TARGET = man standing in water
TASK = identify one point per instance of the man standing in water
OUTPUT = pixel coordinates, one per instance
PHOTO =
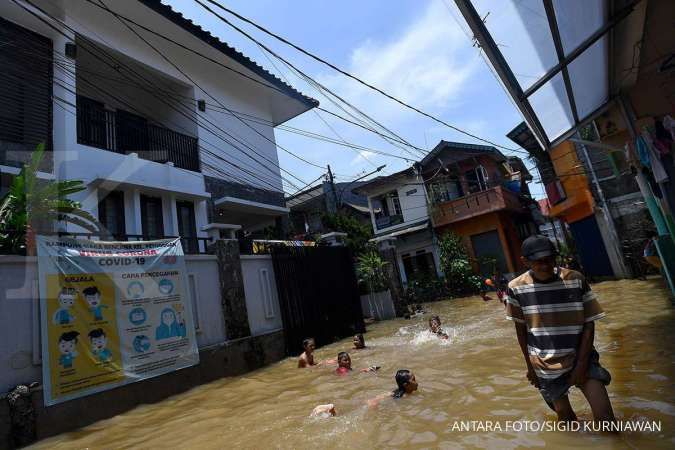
(554, 311)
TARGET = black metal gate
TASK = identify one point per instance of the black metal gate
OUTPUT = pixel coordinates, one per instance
(318, 294)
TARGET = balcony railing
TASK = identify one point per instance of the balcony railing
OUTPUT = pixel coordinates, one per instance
(472, 205)
(388, 221)
(123, 132)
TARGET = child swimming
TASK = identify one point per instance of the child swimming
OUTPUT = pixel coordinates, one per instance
(307, 357)
(359, 342)
(435, 327)
(406, 384)
(344, 362)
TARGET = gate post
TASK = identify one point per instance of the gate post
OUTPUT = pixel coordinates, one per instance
(233, 297)
(388, 253)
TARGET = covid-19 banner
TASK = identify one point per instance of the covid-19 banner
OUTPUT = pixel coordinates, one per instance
(111, 313)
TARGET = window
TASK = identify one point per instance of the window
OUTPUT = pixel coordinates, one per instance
(111, 214)
(187, 228)
(387, 209)
(444, 191)
(25, 93)
(91, 123)
(477, 179)
(152, 221)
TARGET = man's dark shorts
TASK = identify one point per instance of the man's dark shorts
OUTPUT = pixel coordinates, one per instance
(553, 389)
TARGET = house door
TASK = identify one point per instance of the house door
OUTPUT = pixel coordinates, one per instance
(489, 252)
(111, 214)
(591, 248)
(187, 228)
(152, 220)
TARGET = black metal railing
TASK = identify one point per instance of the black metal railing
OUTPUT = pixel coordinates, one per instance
(388, 221)
(123, 132)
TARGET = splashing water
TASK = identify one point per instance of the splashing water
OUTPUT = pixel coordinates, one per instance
(477, 374)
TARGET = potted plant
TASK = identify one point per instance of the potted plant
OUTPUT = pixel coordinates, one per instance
(371, 270)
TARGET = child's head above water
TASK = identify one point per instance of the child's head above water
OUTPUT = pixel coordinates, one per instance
(308, 345)
(344, 360)
(405, 382)
(359, 341)
(435, 323)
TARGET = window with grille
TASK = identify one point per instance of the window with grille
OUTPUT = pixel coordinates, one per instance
(25, 94)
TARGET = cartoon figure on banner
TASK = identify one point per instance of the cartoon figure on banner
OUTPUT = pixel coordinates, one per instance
(135, 289)
(99, 345)
(170, 326)
(67, 343)
(93, 297)
(63, 316)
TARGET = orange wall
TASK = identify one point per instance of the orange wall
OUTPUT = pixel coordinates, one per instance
(484, 223)
(579, 203)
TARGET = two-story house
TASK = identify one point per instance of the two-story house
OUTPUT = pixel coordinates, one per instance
(170, 129)
(481, 195)
(399, 212)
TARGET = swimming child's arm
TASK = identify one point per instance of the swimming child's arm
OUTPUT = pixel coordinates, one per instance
(373, 402)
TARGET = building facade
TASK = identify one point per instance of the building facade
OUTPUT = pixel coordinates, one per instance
(154, 117)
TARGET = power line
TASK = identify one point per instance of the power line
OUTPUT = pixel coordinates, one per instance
(334, 67)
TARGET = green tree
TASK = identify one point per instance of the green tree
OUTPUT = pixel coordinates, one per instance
(33, 205)
(358, 234)
(459, 275)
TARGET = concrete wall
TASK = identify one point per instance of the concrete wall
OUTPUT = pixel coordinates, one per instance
(380, 305)
(20, 351)
(262, 299)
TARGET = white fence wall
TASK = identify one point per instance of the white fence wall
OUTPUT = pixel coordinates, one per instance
(20, 353)
(204, 291)
(262, 299)
(19, 322)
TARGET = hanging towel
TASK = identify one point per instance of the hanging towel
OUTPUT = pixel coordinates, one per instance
(659, 172)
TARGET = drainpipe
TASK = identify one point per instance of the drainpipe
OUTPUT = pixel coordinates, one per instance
(611, 227)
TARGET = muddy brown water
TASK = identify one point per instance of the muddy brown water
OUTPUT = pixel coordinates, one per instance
(478, 374)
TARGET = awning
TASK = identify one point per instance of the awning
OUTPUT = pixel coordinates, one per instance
(412, 229)
(240, 205)
(551, 56)
(251, 215)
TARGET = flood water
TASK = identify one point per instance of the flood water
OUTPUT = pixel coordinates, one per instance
(478, 374)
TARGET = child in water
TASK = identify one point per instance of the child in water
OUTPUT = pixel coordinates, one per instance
(359, 342)
(344, 362)
(435, 327)
(405, 385)
(307, 357)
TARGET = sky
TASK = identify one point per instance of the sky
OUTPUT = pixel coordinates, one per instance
(419, 51)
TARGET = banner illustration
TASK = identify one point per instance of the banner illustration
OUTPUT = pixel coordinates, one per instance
(111, 313)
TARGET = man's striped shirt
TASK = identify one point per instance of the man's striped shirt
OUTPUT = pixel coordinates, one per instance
(554, 313)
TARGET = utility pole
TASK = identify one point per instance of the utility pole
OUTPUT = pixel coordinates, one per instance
(331, 198)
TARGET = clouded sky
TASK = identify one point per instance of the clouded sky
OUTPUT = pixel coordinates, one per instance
(414, 50)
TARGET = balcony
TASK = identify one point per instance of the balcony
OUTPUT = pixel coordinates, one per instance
(388, 221)
(123, 132)
(495, 199)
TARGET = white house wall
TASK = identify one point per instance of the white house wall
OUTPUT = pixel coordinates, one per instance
(412, 197)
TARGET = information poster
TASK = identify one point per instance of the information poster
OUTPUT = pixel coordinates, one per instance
(111, 313)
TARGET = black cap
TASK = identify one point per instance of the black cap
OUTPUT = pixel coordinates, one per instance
(537, 247)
